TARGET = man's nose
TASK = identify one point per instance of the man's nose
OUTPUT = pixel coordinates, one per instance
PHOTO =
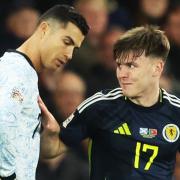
(69, 54)
(122, 71)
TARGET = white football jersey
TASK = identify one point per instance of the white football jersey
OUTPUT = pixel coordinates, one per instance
(19, 117)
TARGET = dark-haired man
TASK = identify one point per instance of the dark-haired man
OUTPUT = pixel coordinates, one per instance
(60, 30)
(134, 130)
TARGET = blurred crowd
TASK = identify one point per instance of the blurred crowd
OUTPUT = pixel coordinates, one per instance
(92, 68)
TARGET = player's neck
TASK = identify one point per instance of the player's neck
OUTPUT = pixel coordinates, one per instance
(148, 99)
(29, 48)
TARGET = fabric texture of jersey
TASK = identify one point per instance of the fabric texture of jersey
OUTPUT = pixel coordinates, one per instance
(19, 117)
(128, 141)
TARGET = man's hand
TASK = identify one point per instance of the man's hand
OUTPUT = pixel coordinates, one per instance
(51, 145)
(49, 123)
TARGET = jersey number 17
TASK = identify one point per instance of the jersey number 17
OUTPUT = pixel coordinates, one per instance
(145, 148)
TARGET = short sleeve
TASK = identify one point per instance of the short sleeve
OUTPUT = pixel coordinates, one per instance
(78, 127)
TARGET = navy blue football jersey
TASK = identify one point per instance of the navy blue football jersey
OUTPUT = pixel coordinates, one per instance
(128, 141)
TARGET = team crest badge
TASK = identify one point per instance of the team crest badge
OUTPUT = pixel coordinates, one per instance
(17, 95)
(171, 132)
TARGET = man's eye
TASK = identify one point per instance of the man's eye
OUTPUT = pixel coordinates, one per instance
(130, 65)
(67, 42)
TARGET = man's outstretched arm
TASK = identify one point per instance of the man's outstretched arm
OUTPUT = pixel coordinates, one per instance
(51, 145)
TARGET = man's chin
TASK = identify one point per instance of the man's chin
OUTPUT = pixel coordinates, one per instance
(128, 94)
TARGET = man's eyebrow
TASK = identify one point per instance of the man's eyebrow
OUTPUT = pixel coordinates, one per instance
(72, 42)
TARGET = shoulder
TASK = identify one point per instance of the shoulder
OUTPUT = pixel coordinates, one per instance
(14, 67)
(171, 99)
(100, 99)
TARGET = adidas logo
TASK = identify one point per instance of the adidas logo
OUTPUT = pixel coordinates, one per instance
(123, 129)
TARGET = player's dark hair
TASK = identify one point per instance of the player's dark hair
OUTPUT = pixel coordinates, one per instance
(146, 39)
(65, 14)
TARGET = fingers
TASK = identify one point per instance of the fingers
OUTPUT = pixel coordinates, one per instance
(47, 116)
(40, 101)
(49, 123)
(42, 106)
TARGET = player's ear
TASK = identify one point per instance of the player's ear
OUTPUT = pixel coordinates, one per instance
(43, 28)
(158, 67)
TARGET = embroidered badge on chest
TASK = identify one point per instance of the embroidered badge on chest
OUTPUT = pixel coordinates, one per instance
(147, 132)
(170, 132)
(17, 95)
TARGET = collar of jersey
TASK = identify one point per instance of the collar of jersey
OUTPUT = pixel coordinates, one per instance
(25, 56)
(155, 106)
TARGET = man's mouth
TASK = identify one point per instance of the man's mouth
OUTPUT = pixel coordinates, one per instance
(60, 62)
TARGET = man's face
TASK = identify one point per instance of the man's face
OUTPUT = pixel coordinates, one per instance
(154, 8)
(173, 26)
(69, 93)
(57, 44)
(96, 15)
(137, 77)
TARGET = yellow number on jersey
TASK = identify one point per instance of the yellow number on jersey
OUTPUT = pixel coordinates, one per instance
(144, 149)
